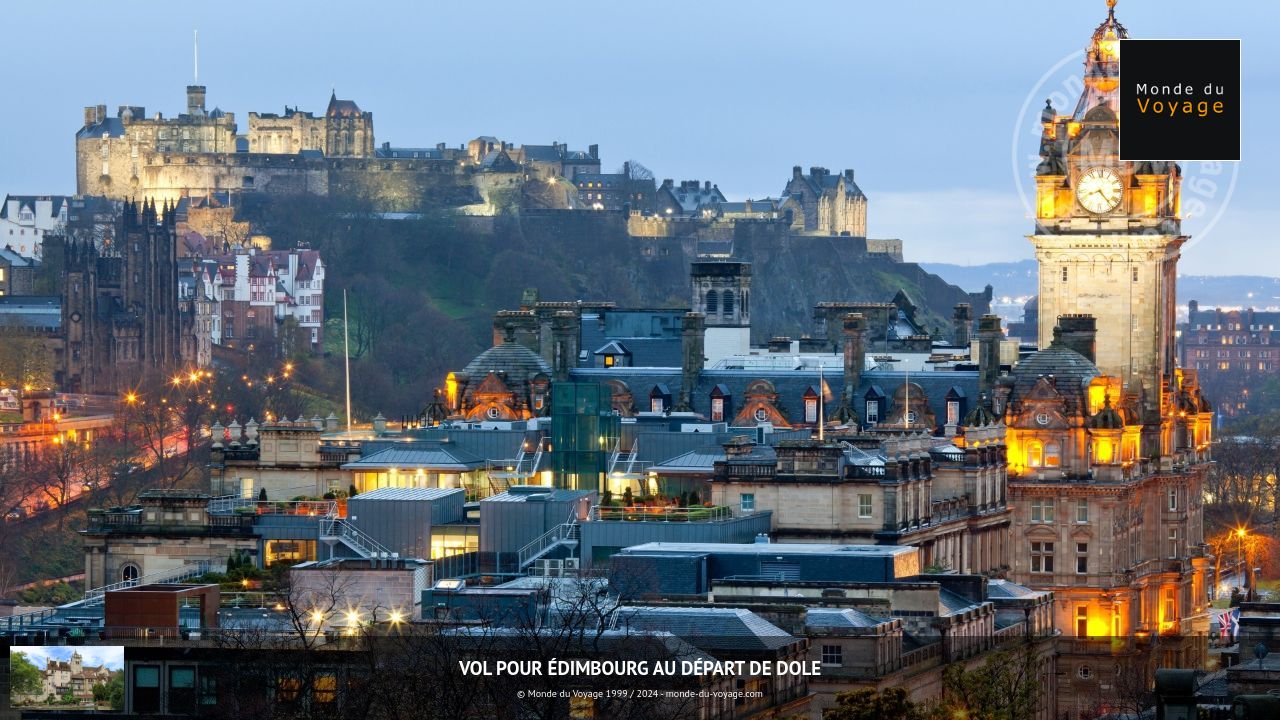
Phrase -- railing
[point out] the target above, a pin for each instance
(565, 531)
(186, 572)
(662, 513)
(335, 527)
(920, 655)
(230, 504)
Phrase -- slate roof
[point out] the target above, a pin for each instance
(702, 460)
(13, 259)
(31, 311)
(543, 494)
(953, 603)
(1071, 371)
(112, 126)
(789, 384)
(541, 153)
(341, 108)
(708, 629)
(839, 618)
(1003, 589)
(29, 201)
(397, 152)
(426, 455)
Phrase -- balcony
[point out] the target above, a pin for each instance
(664, 513)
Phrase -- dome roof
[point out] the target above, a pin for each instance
(515, 363)
(1071, 372)
(1107, 418)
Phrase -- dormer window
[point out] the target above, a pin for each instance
(873, 412)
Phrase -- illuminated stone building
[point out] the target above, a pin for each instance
(1108, 440)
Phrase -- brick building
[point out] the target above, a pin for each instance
(1232, 351)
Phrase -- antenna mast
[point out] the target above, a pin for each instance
(196, 55)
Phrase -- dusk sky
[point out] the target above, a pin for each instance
(921, 99)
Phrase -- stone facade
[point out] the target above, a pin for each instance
(120, 307)
(825, 204)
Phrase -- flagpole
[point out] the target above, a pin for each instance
(346, 355)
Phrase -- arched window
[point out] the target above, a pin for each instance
(728, 302)
(1035, 454)
(129, 572)
(712, 301)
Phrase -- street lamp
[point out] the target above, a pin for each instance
(1244, 570)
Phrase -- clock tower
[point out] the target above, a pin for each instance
(1108, 232)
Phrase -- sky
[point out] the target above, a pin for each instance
(922, 99)
(91, 655)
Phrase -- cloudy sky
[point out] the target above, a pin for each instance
(922, 99)
(92, 655)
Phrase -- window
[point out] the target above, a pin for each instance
(953, 412)
(1173, 498)
(717, 409)
(748, 502)
(811, 409)
(864, 505)
(182, 689)
(1085, 672)
(1052, 455)
(873, 412)
(1042, 511)
(1082, 558)
(1135, 274)
(1170, 605)
(129, 572)
(608, 361)
(712, 301)
(832, 655)
(1082, 511)
(1082, 621)
(146, 689)
(655, 404)
(1041, 557)
(1064, 274)
(726, 302)
(1035, 454)
(761, 414)
(1174, 549)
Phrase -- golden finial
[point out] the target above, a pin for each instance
(1111, 4)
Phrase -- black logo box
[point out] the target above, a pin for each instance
(1186, 68)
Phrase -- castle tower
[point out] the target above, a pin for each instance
(195, 100)
(1108, 233)
(722, 293)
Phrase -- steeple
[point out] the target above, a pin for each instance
(1102, 65)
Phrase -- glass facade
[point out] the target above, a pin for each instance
(584, 434)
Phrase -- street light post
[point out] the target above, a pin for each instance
(1243, 563)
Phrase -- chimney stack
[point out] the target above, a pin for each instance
(854, 330)
(960, 322)
(564, 338)
(989, 336)
(693, 357)
(1079, 333)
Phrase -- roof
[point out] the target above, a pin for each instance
(702, 460)
(408, 493)
(29, 201)
(771, 549)
(515, 363)
(112, 126)
(1071, 372)
(953, 603)
(425, 455)
(525, 493)
(1004, 589)
(341, 108)
(13, 259)
(708, 628)
(541, 153)
(840, 617)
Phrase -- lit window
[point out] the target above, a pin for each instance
(1035, 454)
(873, 412)
(953, 412)
(1082, 621)
(1170, 605)
(717, 409)
(1052, 455)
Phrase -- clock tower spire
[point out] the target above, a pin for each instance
(1108, 233)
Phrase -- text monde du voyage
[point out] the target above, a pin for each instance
(565, 667)
(1179, 99)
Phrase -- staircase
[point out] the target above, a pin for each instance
(94, 597)
(334, 530)
(521, 469)
(564, 535)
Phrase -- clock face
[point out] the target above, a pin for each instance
(1099, 190)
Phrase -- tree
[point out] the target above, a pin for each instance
(872, 705)
(24, 677)
(1005, 687)
(111, 693)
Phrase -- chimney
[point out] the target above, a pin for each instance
(848, 175)
(707, 186)
(817, 172)
(693, 357)
(626, 169)
(796, 172)
(565, 325)
(989, 336)
(1192, 308)
(960, 322)
(1079, 333)
(101, 111)
(90, 116)
(594, 151)
(854, 330)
